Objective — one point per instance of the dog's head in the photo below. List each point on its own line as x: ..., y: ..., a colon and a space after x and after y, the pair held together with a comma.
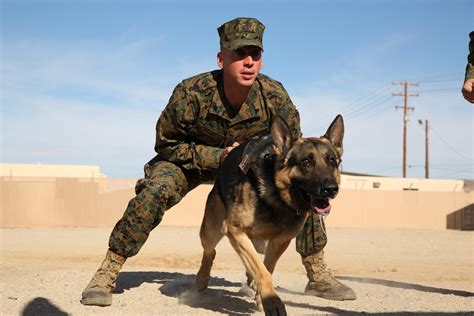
x: 307, y: 169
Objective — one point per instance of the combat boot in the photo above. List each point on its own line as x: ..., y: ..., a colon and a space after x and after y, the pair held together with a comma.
x: 322, y: 283
x: 99, y: 290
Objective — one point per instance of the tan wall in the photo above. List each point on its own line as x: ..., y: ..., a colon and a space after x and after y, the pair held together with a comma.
x: 47, y: 202
x: 396, y: 209
x: 39, y: 170
x: 66, y: 202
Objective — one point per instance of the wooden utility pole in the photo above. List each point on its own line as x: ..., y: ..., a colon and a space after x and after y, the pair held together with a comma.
x: 427, y: 161
x: 405, y: 117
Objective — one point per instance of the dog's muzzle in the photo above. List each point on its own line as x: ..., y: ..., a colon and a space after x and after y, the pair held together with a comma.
x: 319, y: 202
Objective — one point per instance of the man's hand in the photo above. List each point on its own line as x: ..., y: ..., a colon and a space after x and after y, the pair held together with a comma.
x: 227, y: 150
x: 468, y: 90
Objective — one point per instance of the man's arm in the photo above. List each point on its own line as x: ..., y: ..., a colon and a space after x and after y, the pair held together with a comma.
x: 468, y: 87
x: 172, y: 140
x: 287, y: 110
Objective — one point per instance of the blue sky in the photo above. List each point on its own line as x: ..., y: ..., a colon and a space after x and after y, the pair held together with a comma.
x: 83, y: 82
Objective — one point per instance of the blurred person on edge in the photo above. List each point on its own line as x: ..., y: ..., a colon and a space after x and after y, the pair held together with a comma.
x: 468, y: 87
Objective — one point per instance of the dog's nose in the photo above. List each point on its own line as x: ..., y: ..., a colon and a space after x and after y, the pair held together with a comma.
x: 330, y: 190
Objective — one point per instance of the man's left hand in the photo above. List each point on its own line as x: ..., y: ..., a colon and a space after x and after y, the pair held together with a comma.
x: 227, y: 150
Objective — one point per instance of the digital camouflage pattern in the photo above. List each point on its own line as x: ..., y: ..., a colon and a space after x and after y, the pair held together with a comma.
x: 241, y: 32
x: 163, y: 186
x: 470, y: 58
x: 312, y: 237
x: 196, y: 125
x: 191, y: 133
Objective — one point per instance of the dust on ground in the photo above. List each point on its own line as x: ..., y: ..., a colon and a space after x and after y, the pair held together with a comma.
x: 43, y: 272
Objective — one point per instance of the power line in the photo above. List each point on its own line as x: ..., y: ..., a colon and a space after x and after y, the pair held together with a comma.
x: 440, y: 90
x: 437, y: 166
x: 453, y: 164
x: 378, y: 109
x: 368, y: 107
x: 374, y: 100
x: 364, y: 104
x: 369, y: 100
x: 440, y: 78
x: 448, y: 145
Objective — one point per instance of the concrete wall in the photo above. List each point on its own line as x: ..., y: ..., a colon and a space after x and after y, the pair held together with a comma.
x: 94, y: 202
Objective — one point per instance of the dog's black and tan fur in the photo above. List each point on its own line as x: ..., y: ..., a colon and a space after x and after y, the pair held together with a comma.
x: 263, y: 192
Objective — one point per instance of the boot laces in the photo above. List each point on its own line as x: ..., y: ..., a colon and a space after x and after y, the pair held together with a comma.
x: 322, y: 273
x: 107, y: 274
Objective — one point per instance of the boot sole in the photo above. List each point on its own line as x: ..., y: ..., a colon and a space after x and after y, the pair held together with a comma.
x: 327, y: 296
x: 97, y: 300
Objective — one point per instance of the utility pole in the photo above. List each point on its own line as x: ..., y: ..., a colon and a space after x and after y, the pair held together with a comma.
x: 405, y: 117
x: 427, y: 161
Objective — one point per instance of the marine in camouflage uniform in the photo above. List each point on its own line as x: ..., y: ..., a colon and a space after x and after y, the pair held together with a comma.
x: 468, y: 87
x: 191, y: 134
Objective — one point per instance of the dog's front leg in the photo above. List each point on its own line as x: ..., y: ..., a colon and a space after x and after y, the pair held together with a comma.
x: 273, y: 251
x: 276, y: 247
x: 272, y: 304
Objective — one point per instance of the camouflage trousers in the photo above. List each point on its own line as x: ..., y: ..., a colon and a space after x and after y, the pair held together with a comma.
x: 164, y: 185
x: 312, y: 237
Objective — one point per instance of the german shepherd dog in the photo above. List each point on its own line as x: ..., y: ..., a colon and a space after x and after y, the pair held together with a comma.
x: 263, y: 193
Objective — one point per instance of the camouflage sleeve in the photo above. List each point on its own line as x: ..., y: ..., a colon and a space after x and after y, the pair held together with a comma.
x: 172, y: 140
x: 470, y: 59
x: 288, y: 111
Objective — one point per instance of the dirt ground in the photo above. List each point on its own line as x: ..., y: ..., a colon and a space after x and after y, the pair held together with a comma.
x: 43, y: 272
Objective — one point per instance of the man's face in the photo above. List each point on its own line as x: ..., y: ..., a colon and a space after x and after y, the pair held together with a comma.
x: 241, y: 66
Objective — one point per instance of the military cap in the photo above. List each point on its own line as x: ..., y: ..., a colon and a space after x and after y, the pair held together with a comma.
x: 241, y: 32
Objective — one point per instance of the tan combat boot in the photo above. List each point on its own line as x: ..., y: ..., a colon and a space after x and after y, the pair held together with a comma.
x: 99, y: 290
x: 322, y: 283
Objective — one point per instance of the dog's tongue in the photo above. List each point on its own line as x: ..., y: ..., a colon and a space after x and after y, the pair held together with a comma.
x: 320, y: 206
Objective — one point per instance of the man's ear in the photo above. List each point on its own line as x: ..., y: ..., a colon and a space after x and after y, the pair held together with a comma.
x: 220, y: 62
x: 281, y: 134
x: 335, y: 133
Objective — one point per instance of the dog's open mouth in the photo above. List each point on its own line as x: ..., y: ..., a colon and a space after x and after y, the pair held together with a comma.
x: 318, y: 205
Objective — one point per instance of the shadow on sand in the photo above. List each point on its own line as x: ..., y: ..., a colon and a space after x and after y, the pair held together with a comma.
x: 181, y: 286
x: 233, y: 302
x: 411, y: 286
x: 42, y: 306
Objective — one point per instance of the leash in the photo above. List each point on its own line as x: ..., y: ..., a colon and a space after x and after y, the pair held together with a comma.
x: 322, y: 217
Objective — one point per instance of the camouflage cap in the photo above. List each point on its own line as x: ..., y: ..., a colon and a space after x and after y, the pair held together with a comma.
x: 241, y: 32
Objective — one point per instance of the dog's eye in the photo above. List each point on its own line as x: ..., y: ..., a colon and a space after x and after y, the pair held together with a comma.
x: 332, y: 160
x: 305, y: 162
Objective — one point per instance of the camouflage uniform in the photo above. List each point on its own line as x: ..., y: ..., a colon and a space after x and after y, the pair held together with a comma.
x: 470, y: 59
x: 191, y: 133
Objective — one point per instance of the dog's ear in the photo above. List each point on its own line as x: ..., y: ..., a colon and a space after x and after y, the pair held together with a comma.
x: 281, y: 134
x: 335, y: 133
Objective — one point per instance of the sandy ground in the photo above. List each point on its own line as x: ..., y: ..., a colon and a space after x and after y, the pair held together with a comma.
x: 43, y: 272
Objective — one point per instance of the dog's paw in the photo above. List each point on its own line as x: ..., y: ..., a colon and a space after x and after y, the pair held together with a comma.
x: 201, y: 282
x: 273, y: 305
